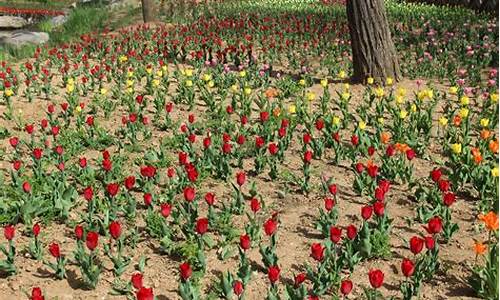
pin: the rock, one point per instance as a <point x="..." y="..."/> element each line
<point x="12" y="22"/>
<point x="22" y="37"/>
<point x="58" y="20"/>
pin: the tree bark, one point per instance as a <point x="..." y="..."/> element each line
<point x="373" y="51"/>
<point x="148" y="11"/>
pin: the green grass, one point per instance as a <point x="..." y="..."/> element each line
<point x="80" y="21"/>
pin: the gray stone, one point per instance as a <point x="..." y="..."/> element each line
<point x="22" y="37"/>
<point x="58" y="20"/>
<point x="12" y="22"/>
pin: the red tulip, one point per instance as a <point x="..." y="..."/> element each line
<point x="37" y="153"/>
<point x="416" y="245"/>
<point x="360" y="168"/>
<point x="226" y="148"/>
<point x="317" y="251"/>
<point x="371" y="150"/>
<point x="202" y="225"/>
<point x="83" y="162"/>
<point x="254" y="205"/>
<point x="352" y="231"/>
<point x="165" y="209"/>
<point x="148" y="171"/>
<point x="379" y="208"/>
<point x="145" y="294"/>
<point x="407" y="267"/>
<point x="148" y="199"/>
<point x="354" y="140"/>
<point x="240" y="178"/>
<point x="26" y="187"/>
<point x="273" y="273"/>
<point x="434" y="226"/>
<point x="379" y="194"/>
<point x="115" y="229"/>
<point x="346" y="287"/>
<point x="92" y="240"/>
<point x="88" y="193"/>
<point x="245" y="242"/>
<point x="444" y="185"/>
<point x="306" y="138"/>
<point x="259" y="142"/>
<point x="308" y="156"/>
<point x="329" y="204"/>
<point x="14" y="141"/>
<point x="436" y="174"/>
<point x="376" y="278"/>
<point x="449" y="199"/>
<point x="8" y="232"/>
<point x="54" y="250"/>
<point x="136" y="280"/>
<point x="389" y="152"/>
<point x="112" y="189"/>
<point x="237" y="287"/>
<point x="320" y="124"/>
<point x="129" y="182"/>
<point x="36" y="230"/>
<point x="273" y="148"/>
<point x="189" y="193"/>
<point x="366" y="212"/>
<point x="429" y="242"/>
<point x="384" y="184"/>
<point x="210" y="198"/>
<point x="372" y="171"/>
<point x="270" y="227"/>
<point x="299" y="279"/>
<point x="332" y="188"/>
<point x="185" y="270"/>
<point x="79" y="232"/>
<point x="107" y="164"/>
<point x="36" y="294"/>
<point x="335" y="234"/>
<point x="410" y="154"/>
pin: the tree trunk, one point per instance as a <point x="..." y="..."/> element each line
<point x="373" y="52"/>
<point x="148" y="11"/>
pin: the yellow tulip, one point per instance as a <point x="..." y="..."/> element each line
<point x="463" y="113"/>
<point x="189" y="72"/>
<point x="413" y="107"/>
<point x="302" y="82"/>
<point x="123" y="58"/>
<point x="78" y="109"/>
<point x="494" y="172"/>
<point x="234" y="88"/>
<point x="345" y="96"/>
<point x="189" y="83"/>
<point x="130" y="74"/>
<point x="379" y="92"/>
<point x="361" y="125"/>
<point x="130" y="90"/>
<point x="156" y="82"/>
<point x="494" y="97"/>
<point x="342" y="75"/>
<point x="8" y="92"/>
<point x="403" y="114"/>
<point x="389" y="81"/>
<point x="464" y="100"/>
<point x="149" y="70"/>
<point x="370" y="80"/>
<point x="211" y="84"/>
<point x="310" y="96"/>
<point x="207" y="77"/>
<point x="336" y="120"/>
<point x="130" y="83"/>
<point x="400" y="99"/>
<point x="70" y="88"/>
<point x="485" y="122"/>
<point x="292" y="109"/>
<point x="159" y="73"/>
<point x="324" y="83"/>
<point x="453" y="90"/>
<point x="401" y="92"/>
<point x="103" y="91"/>
<point x="247" y="91"/>
<point x="443" y="121"/>
<point x="456" y="148"/>
<point x="243" y="74"/>
<point x="381" y="120"/>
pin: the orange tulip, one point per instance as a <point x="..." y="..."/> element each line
<point x="493" y="145"/>
<point x="457" y="120"/>
<point x="485" y="134"/>
<point x="477" y="155"/>
<point x="385" y="137"/>
<point x="401" y="147"/>
<point x="271" y="93"/>
<point x="479" y="248"/>
<point x="490" y="220"/>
